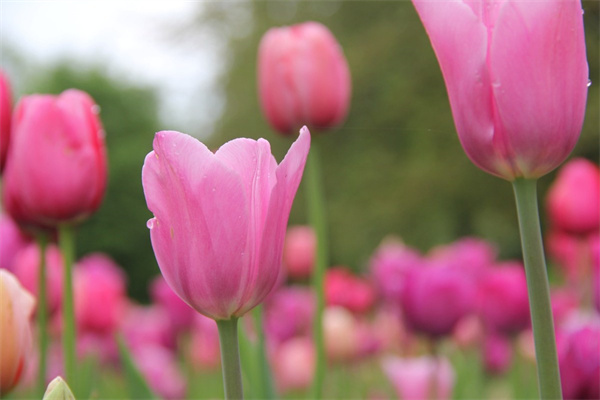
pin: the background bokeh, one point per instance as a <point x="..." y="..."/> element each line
<point x="394" y="168"/>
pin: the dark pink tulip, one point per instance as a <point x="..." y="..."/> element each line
<point x="220" y="219"/>
<point x="435" y="298"/>
<point x="303" y="78"/>
<point x="180" y="314"/>
<point x="13" y="240"/>
<point x="579" y="359"/>
<point x="516" y="75"/>
<point x="295" y="300"/>
<point x="26" y="267"/>
<point x="420" y="378"/>
<point x="56" y="168"/>
<point x="299" y="251"/>
<point x="470" y="255"/>
<point x="5" y="117"/>
<point x="503" y="303"/>
<point x="574" y="198"/>
<point x="100" y="294"/>
<point x="497" y="353"/>
<point x="342" y="288"/>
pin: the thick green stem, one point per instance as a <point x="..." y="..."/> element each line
<point x="230" y="358"/>
<point x="67" y="247"/>
<point x="42" y="314"/>
<point x="318" y="220"/>
<point x="537" y="286"/>
<point x="266" y="390"/>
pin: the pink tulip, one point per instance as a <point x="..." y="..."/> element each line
<point x="342" y="288"/>
<point x="470" y="255"/>
<point x="299" y="251"/>
<point x="579" y="359"/>
<point x="435" y="298"/>
<point x="303" y="78"/>
<point x="159" y="367"/>
<point x="13" y="240"/>
<point x="574" y="197"/>
<point x="596" y="271"/>
<point x="147" y="326"/>
<point x="27" y="268"/>
<point x="497" y="354"/>
<point x="516" y="75"/>
<point x="5" y="117"/>
<point x="503" y="302"/>
<point x="420" y="378"/>
<point x="219" y="219"/>
<point x="296" y="301"/>
<point x="56" y="168"/>
<point x="100" y="294"/>
<point x="180" y="314"/>
<point x="16" y="309"/>
<point x="294" y="364"/>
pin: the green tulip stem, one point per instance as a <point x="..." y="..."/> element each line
<point x="538" y="288"/>
<point x="42" y="313"/>
<point x="67" y="247"/>
<point x="266" y="382"/>
<point x="318" y="220"/>
<point x="230" y="358"/>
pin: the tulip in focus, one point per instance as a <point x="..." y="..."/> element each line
<point x="220" y="219"/>
<point x="303" y="78"/>
<point x="16" y="309"/>
<point x="574" y="198"/>
<point x="420" y="378"/>
<point x="56" y="167"/>
<point x="5" y="117"/>
<point x="299" y="252"/>
<point x="517" y="77"/>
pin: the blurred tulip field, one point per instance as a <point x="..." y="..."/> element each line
<point x="372" y="237"/>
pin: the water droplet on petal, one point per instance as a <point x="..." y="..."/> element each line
<point x="589" y="83"/>
<point x="150" y="223"/>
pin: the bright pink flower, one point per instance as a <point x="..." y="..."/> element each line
<point x="13" y="240"/>
<point x="294" y="364"/>
<point x="27" y="269"/>
<point x="16" y="309"/>
<point x="299" y="251"/>
<point x="303" y="78"/>
<point x="56" y="169"/>
<point x="497" y="353"/>
<point x="296" y="301"/>
<point x="516" y="75"/>
<point x="574" y="197"/>
<point x="420" y="378"/>
<point x="219" y="219"/>
<point x="435" y="298"/>
<point x="5" y="117"/>
<point x="180" y="314"/>
<point x="503" y="303"/>
<point x="342" y="288"/>
<point x="100" y="294"/>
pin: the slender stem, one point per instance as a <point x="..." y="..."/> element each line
<point x="537" y="286"/>
<point x="42" y="313"/>
<point x="318" y="220"/>
<point x="230" y="358"/>
<point x="67" y="247"/>
<point x="266" y="383"/>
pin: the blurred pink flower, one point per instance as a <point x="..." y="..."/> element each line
<point x="180" y="314"/>
<point x="205" y="351"/>
<point x="159" y="367"/>
<point x="342" y="288"/>
<point x="420" y="378"/>
<point x="303" y="78"/>
<point x="219" y="219"/>
<point x="564" y="302"/>
<point x="148" y="325"/>
<point x="293" y="363"/>
<point x="468" y="331"/>
<point x="5" y="117"/>
<point x="579" y="360"/>
<point x="574" y="197"/>
<point x="340" y="334"/>
<point x="497" y="353"/>
<point x="299" y="251"/>
<point x="469" y="254"/>
<point x="289" y="312"/>
<point x="13" y="240"/>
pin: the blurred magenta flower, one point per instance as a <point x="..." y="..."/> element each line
<point x="517" y="77"/>
<point x="147" y="325"/>
<point x="26" y="267"/>
<point x="205" y="352"/>
<point x="595" y="239"/>
<point x="468" y="332"/>
<point x="180" y="314"/>
<point x="420" y="378"/>
<point x="303" y="78"/>
<point x="298" y="301"/>
<point x="5" y="117"/>
<point x="220" y="219"/>
<point x="436" y="297"/>
<point x="100" y="294"/>
<point x="56" y="167"/>
<point x="469" y="254"/>
<point x="16" y="309"/>
<point x="503" y="304"/>
<point x="342" y="288"/>
<point x="497" y="353"/>
<point x="574" y="197"/>
<point x="579" y="359"/>
<point x="564" y="302"/>
<point x="299" y="251"/>
<point x="13" y="240"/>
<point x="159" y="367"/>
<point x="293" y="364"/>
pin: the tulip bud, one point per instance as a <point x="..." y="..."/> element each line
<point x="58" y="390"/>
<point x="16" y="309"/>
<point x="56" y="166"/>
<point x="303" y="78"/>
<point x="5" y="117"/>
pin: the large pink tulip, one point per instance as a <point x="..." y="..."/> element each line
<point x="5" y="117"/>
<point x="516" y="75"/>
<point x="56" y="168"/>
<point x="574" y="198"/>
<point x="220" y="219"/>
<point x="16" y="308"/>
<point x="303" y="78"/>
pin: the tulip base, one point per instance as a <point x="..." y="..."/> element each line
<point x="538" y="289"/>
<point x="230" y="358"/>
